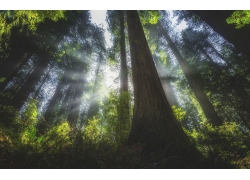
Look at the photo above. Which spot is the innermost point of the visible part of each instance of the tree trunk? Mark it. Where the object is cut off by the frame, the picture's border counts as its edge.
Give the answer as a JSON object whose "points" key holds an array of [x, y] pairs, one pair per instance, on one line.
{"points": [[45, 79], [206, 106], [153, 124], [14, 72], [23, 93], [123, 109], [65, 103], [74, 108], [124, 68], [94, 107], [57, 96]]}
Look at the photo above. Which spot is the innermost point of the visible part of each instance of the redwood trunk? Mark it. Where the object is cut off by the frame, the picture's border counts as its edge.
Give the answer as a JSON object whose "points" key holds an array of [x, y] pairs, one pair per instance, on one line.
{"points": [[124, 68], [123, 111], [153, 121]]}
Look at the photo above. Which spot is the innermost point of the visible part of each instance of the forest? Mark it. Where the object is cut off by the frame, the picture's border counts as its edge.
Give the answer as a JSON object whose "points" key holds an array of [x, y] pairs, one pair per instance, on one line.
{"points": [[180, 99]]}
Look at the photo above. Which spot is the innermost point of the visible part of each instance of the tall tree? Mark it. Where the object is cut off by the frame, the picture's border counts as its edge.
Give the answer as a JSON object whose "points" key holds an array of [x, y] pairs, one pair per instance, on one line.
{"points": [[153, 121], [116, 23], [205, 104]]}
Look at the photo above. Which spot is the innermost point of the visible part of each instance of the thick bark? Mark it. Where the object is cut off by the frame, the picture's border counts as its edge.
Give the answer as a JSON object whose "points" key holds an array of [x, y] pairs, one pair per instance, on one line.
{"points": [[23, 93], [217, 20], [153, 121], [124, 68], [205, 104]]}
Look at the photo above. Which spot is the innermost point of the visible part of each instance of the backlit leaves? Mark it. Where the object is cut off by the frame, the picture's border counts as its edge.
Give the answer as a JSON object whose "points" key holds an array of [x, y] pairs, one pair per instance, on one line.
{"points": [[239, 18]]}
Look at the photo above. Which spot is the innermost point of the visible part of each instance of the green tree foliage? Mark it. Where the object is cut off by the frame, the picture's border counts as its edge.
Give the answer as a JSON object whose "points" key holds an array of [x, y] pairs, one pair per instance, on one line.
{"points": [[179, 113], [93, 130], [239, 18], [149, 17], [29, 18], [223, 144]]}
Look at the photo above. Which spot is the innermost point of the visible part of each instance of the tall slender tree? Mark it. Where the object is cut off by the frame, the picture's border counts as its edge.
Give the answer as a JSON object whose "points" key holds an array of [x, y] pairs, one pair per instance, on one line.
{"points": [[116, 23], [205, 104]]}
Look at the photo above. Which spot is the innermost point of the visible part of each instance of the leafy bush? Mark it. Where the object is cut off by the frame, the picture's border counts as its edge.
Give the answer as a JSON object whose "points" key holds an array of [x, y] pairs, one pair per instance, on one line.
{"points": [[222, 143], [93, 131]]}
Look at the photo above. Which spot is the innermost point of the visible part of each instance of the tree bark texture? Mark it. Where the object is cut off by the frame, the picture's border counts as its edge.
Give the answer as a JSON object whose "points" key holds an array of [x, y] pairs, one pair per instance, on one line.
{"points": [[153, 122], [123, 109]]}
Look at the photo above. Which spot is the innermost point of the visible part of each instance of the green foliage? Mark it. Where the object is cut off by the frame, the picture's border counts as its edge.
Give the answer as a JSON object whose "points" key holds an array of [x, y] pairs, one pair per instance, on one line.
{"points": [[93, 130], [201, 114], [149, 17], [110, 115], [114, 125], [30, 114], [2, 79], [239, 18], [163, 58], [56, 138], [221, 144], [125, 114], [31, 18], [26, 125], [179, 113]]}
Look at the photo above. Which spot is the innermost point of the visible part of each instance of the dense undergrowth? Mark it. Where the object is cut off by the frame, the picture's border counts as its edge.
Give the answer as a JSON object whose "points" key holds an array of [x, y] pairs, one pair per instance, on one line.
{"points": [[21, 146]]}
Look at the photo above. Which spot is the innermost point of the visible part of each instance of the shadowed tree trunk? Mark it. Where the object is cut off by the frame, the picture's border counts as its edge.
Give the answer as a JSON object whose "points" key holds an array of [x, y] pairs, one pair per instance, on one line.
{"points": [[23, 93], [123, 109], [94, 106], [65, 102], [124, 68], [14, 72], [153, 123], [205, 104], [74, 108], [57, 96]]}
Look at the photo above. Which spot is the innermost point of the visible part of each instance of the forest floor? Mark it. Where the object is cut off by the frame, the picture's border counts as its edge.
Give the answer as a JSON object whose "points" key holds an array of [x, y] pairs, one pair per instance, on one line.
{"points": [[102, 157]]}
